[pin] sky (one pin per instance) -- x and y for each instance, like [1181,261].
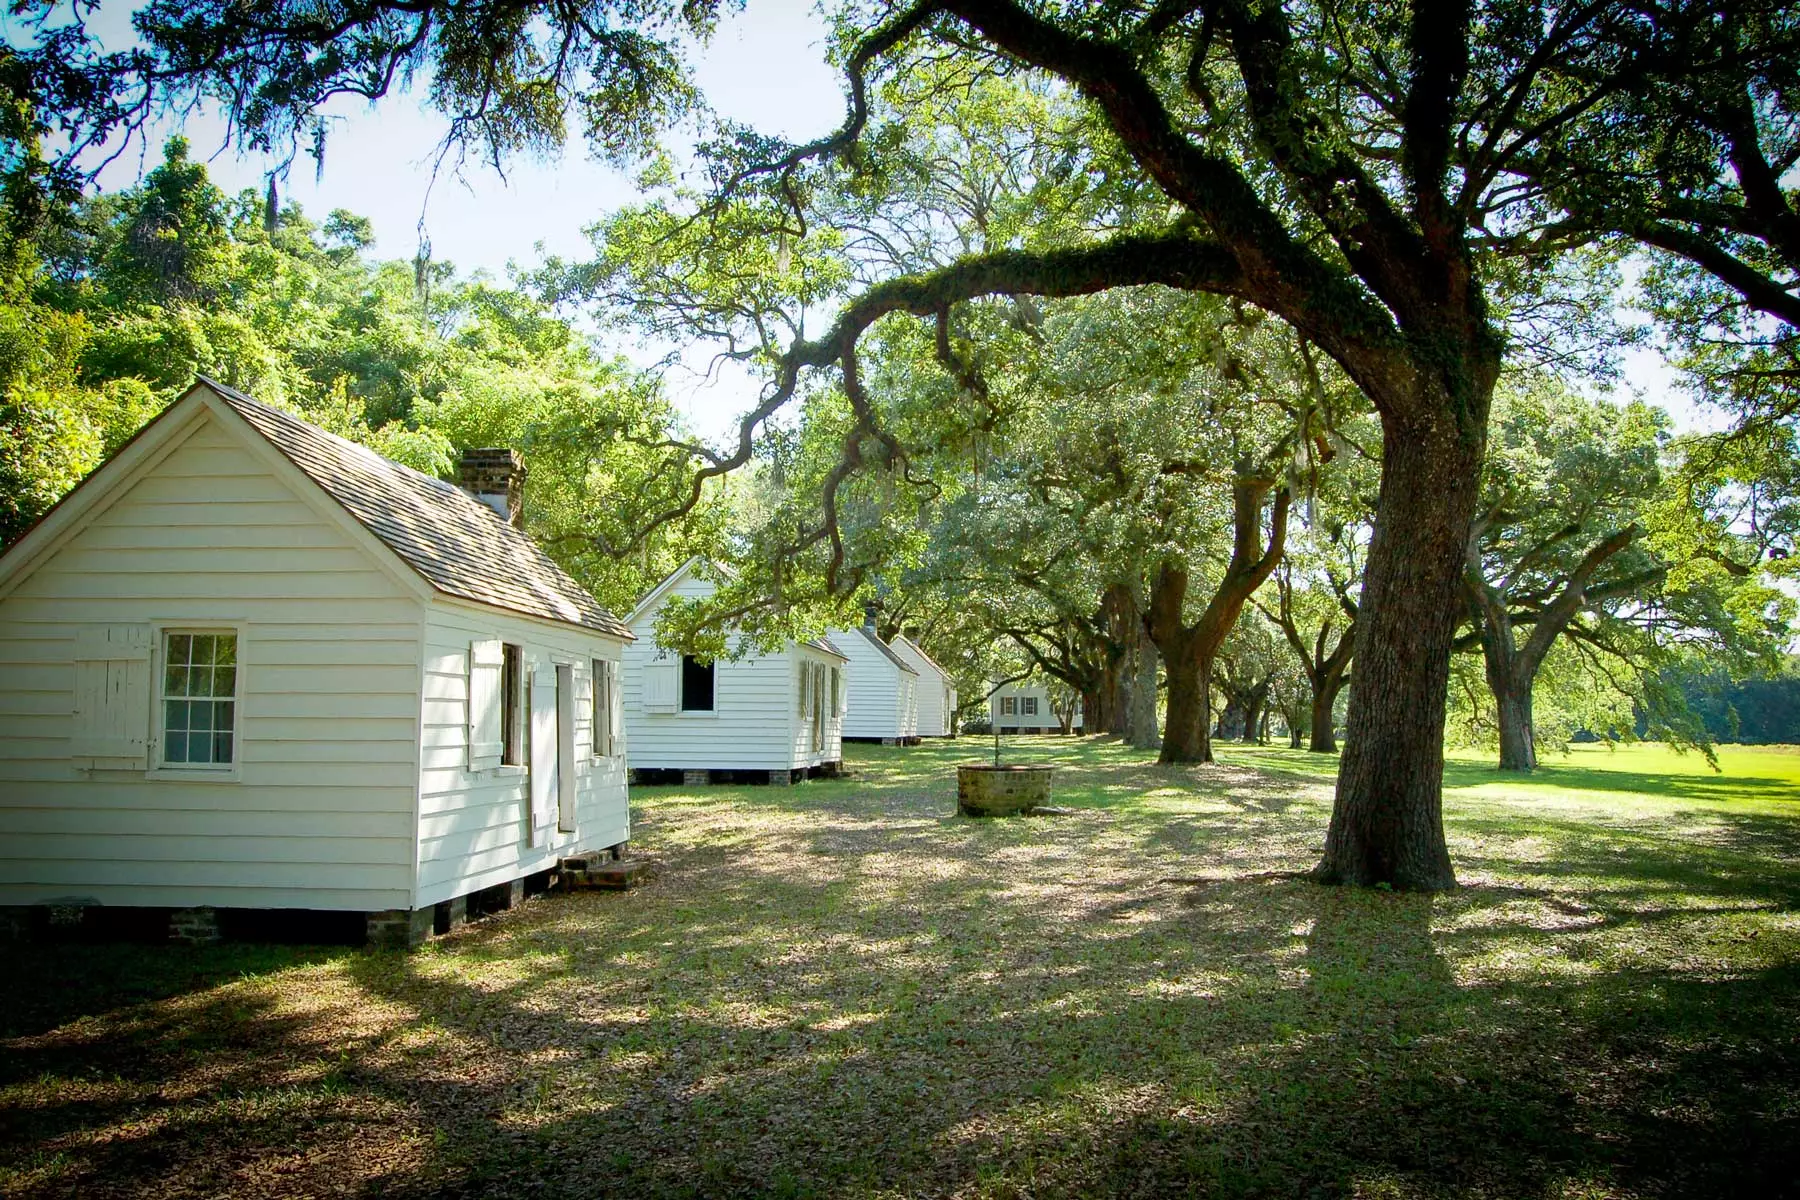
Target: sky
[764,67]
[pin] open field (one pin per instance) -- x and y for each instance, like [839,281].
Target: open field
[841,989]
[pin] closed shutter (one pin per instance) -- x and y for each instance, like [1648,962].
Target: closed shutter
[840,695]
[615,711]
[599,720]
[660,675]
[487,660]
[111,728]
[803,687]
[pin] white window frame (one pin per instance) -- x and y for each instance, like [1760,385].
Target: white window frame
[1009,706]
[232,772]
[1028,706]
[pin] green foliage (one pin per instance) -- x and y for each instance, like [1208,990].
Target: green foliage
[142,289]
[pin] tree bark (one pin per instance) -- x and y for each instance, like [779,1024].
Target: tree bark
[1255,713]
[1518,744]
[1144,732]
[1189,650]
[1324,706]
[1387,825]
[1187,731]
[1512,669]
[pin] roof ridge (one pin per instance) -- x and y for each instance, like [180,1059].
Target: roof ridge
[428,523]
[232,396]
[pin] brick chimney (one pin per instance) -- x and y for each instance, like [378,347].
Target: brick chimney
[496,477]
[869,617]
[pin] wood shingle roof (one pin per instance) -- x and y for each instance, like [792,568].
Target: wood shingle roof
[458,544]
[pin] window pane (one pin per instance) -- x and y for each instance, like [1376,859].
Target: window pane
[221,747]
[225,649]
[175,680]
[175,747]
[224,681]
[206,648]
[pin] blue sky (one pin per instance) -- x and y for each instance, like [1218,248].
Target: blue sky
[765,67]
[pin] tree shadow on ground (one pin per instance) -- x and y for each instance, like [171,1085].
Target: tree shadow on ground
[856,994]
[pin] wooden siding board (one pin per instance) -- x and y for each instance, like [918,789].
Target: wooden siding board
[471,824]
[754,725]
[320,814]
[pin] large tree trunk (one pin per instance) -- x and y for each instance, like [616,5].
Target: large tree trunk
[1387,824]
[1143,731]
[1518,747]
[1255,714]
[1324,705]
[1293,736]
[1189,650]
[1096,709]
[1187,733]
[1512,669]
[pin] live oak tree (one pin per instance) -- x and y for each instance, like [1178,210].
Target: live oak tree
[1370,176]
[1558,535]
[1589,539]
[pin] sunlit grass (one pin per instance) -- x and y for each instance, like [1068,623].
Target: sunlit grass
[844,989]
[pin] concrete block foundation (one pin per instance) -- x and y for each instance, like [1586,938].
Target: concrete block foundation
[399,928]
[195,926]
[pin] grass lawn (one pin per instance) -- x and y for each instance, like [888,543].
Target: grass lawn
[841,989]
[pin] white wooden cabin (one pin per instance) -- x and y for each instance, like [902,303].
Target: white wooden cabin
[779,715]
[936,691]
[884,694]
[250,665]
[1025,708]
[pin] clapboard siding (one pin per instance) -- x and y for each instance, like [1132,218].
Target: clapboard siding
[1043,721]
[883,700]
[472,824]
[320,813]
[755,724]
[935,694]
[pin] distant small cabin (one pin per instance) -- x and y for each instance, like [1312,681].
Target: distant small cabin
[250,665]
[884,689]
[936,690]
[774,716]
[1026,708]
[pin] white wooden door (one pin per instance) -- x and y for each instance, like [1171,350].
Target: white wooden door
[543,764]
[565,747]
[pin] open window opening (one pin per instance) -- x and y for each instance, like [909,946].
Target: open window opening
[696,684]
[512,706]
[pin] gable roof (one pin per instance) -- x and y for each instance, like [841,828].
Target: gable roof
[655,595]
[886,650]
[920,651]
[458,544]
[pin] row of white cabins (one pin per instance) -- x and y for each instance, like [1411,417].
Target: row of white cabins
[248,665]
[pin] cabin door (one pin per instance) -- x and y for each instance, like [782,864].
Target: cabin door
[543,787]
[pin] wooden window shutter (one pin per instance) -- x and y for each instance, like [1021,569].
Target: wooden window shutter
[111,728]
[660,676]
[600,715]
[487,660]
[839,694]
[615,711]
[818,686]
[805,681]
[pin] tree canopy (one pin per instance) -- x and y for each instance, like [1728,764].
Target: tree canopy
[1409,190]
